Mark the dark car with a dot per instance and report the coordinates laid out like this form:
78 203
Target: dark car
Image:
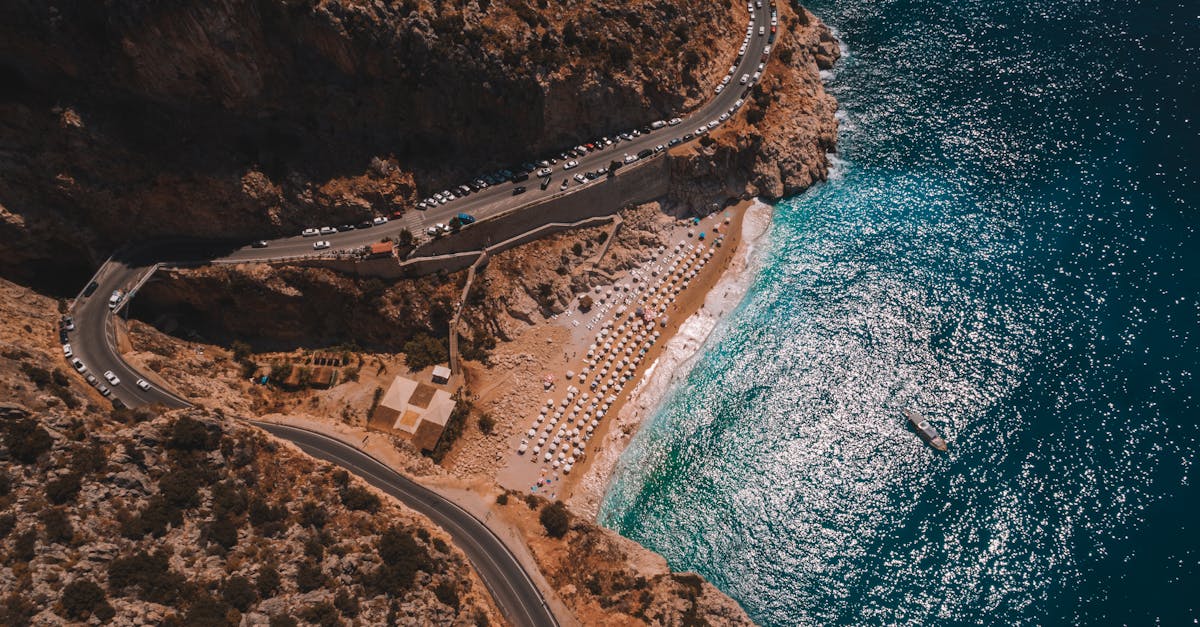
345 227
62 336
91 288
545 182
645 153
675 141
520 189
687 137
591 176
520 176
365 224
262 243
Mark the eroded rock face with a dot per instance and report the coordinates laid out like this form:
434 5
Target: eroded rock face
128 119
778 145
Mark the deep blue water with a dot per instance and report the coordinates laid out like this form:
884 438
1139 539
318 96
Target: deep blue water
1009 245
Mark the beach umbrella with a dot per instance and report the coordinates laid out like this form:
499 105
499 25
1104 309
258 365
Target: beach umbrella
570 374
532 432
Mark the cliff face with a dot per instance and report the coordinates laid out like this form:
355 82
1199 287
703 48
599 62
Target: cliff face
128 119
777 145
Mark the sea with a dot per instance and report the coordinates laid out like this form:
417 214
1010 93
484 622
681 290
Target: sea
1008 244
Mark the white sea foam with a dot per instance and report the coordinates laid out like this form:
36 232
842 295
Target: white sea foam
676 360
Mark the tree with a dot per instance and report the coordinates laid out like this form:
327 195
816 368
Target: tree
309 576
404 237
486 424
401 556
189 434
555 519
455 223
586 303
577 249
63 489
359 498
57 525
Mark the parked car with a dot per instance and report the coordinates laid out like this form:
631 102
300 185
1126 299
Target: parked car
757 75
519 189
67 323
687 137
644 153
713 124
630 158
143 384
320 244
720 88
674 122
104 391
659 148
114 299
78 365
580 178
724 116
345 227
544 172
328 230
675 141
310 232
111 377
466 218
262 243
570 165
657 124
91 379
67 352
762 30
744 79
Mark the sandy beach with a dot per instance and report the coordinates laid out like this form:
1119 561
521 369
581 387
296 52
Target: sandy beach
716 287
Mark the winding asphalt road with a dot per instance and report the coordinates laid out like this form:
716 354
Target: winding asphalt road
95 342
504 576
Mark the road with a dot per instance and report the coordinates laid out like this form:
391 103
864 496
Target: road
94 340
510 585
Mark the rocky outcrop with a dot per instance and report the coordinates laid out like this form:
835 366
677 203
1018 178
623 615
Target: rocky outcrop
778 145
128 119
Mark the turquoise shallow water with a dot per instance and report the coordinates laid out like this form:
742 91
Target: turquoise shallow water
1009 244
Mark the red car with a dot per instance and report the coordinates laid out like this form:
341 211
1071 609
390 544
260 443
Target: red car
397 214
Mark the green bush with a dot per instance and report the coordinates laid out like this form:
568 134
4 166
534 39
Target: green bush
555 519
8 522
25 546
347 603
321 614
313 514
228 497
63 489
153 519
424 350
487 424
57 525
268 581
309 576
223 531
268 519
26 440
447 592
282 620
89 458
502 499
188 434
359 498
401 556
150 575
82 598
238 592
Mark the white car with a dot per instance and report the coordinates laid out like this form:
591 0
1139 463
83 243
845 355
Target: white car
143 384
767 49
724 116
630 158
742 50
744 79
570 164
725 81
674 122
67 351
732 70
757 75
720 88
310 232
581 179
762 66
702 130
328 230
738 103
379 220
78 365
111 378
104 390
713 124
320 244
762 30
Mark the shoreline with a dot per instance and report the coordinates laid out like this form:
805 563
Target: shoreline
678 354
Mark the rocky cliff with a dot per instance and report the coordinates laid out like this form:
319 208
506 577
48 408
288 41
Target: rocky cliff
128 119
778 145
191 518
